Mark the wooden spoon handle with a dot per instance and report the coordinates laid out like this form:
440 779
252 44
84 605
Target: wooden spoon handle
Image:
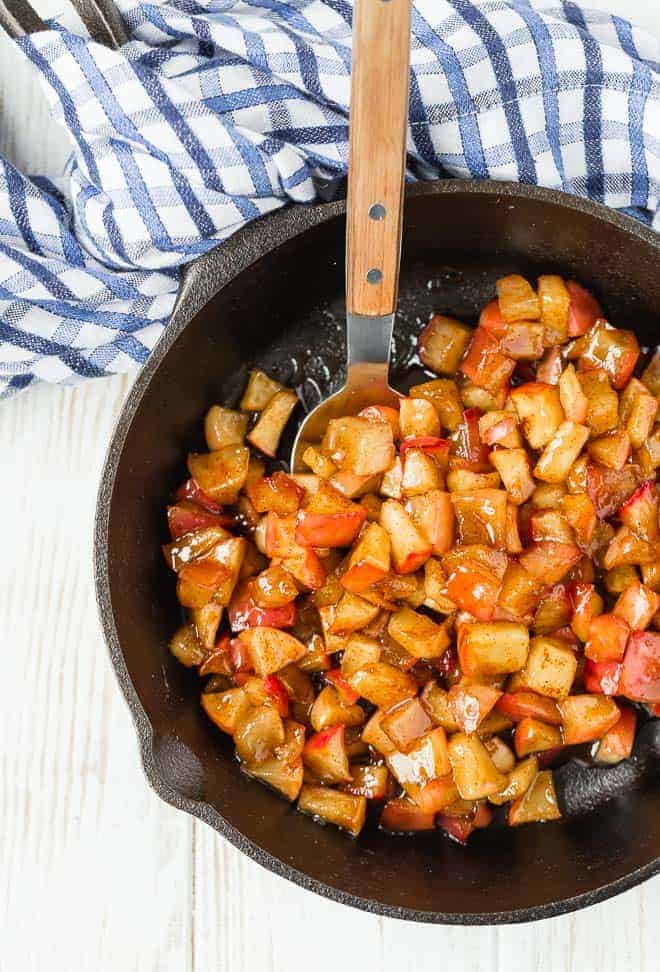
377 152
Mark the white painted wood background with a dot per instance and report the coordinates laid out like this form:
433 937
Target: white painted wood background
95 872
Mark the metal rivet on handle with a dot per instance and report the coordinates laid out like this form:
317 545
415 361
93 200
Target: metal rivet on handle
377 211
374 275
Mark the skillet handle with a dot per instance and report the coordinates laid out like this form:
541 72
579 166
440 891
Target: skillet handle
377 152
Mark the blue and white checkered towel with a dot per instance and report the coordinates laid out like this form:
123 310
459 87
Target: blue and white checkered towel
218 111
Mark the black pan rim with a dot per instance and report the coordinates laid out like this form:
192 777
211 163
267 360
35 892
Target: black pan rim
234 256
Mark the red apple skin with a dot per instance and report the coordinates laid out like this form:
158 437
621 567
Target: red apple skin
583 310
521 705
602 677
640 675
278 694
191 491
186 517
329 529
347 693
491 319
243 612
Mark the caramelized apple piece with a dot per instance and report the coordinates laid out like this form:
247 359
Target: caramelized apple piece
519 781
554 300
417 633
608 637
517 299
609 348
225 709
640 675
383 685
325 755
475 774
539 409
602 401
409 548
443 394
550 668
342 809
617 743
443 343
561 452
534 736
329 710
271 649
587 717
538 804
401 815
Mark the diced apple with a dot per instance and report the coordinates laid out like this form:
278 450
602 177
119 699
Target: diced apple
420 473
383 685
534 736
187 647
554 300
550 526
637 605
467 450
602 677
608 637
221 474
362 446
443 394
500 428
383 413
401 815
549 368
226 708
330 710
573 400
640 512
189 518
286 777
318 463
539 409
485 364
520 592
617 743
325 755
626 548
271 649
266 434
513 467
342 809
584 310
614 350
491 319
521 705
538 804
548 561
260 390
329 529
433 516
520 779
580 513
640 675
602 401
474 588
492 648
561 452
443 343
257 733
406 723
352 613
587 717
475 774
481 516
517 299
587 605
551 667
523 341
409 548
418 417
222 427
471 703
417 633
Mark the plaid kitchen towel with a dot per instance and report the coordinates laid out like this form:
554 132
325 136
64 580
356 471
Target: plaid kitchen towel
218 111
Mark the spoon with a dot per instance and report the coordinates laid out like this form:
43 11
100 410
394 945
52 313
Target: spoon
376 169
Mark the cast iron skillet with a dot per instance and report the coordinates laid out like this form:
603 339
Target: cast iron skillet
272 296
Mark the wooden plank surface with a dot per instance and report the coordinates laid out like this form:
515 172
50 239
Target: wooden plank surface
95 872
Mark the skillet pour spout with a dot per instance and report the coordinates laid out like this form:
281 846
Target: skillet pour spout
272 297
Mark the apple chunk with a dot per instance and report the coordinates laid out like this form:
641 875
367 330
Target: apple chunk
475 774
342 809
409 548
362 446
325 755
271 649
417 633
492 648
587 717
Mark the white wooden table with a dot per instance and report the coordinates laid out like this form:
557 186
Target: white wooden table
95 872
